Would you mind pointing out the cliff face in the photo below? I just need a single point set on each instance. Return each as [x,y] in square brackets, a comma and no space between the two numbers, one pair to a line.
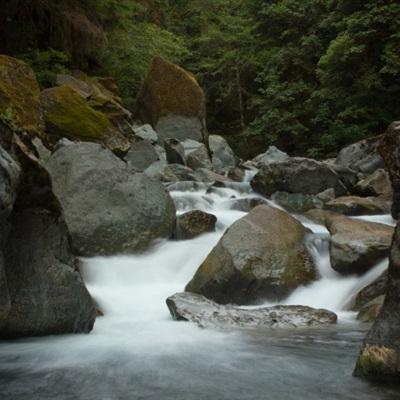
[68,26]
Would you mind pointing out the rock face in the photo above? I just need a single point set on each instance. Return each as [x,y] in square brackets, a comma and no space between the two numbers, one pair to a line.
[19,95]
[222,156]
[67,114]
[194,223]
[370,311]
[353,205]
[390,150]
[371,292]
[297,175]
[362,156]
[380,356]
[261,256]
[376,184]
[357,246]
[208,314]
[47,293]
[108,208]
[172,101]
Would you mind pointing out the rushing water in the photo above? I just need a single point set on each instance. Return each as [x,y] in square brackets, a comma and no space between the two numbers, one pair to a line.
[137,352]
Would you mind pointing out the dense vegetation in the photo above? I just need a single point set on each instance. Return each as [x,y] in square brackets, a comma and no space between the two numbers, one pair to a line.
[309,75]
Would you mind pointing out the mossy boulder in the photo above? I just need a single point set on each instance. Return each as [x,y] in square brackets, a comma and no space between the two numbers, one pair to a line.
[67,114]
[19,96]
[260,257]
[370,311]
[172,101]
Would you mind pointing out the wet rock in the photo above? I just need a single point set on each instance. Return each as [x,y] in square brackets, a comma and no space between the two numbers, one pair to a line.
[370,311]
[357,246]
[141,155]
[247,204]
[297,175]
[208,176]
[377,288]
[236,174]
[377,184]
[189,152]
[389,148]
[109,209]
[146,132]
[361,157]
[261,256]
[222,156]
[173,102]
[208,314]
[354,205]
[272,155]
[169,172]
[193,224]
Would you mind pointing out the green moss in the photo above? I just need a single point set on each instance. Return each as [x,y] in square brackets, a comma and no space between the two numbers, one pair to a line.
[368,365]
[68,115]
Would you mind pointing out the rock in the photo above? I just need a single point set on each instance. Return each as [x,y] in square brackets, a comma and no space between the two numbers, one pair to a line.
[146,132]
[172,101]
[353,205]
[108,208]
[236,174]
[68,115]
[376,185]
[247,204]
[205,175]
[370,312]
[361,157]
[389,148]
[357,246]
[193,224]
[83,88]
[261,256]
[169,173]
[208,314]
[19,96]
[271,156]
[47,291]
[372,291]
[141,155]
[297,175]
[222,156]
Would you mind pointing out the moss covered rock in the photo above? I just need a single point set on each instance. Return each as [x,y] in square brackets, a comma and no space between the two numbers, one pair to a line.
[67,114]
[260,257]
[19,96]
[173,102]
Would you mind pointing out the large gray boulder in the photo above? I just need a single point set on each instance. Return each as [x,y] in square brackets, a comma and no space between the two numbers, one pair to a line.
[108,208]
[141,155]
[357,246]
[208,314]
[362,156]
[261,256]
[297,175]
[354,205]
[377,184]
[222,156]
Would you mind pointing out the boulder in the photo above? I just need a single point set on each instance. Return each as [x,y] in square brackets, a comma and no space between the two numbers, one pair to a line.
[141,155]
[169,173]
[193,224]
[208,176]
[67,114]
[271,156]
[354,205]
[357,246]
[19,96]
[297,175]
[262,256]
[109,209]
[362,156]
[389,148]
[146,132]
[208,314]
[247,204]
[236,174]
[376,185]
[173,102]
[370,311]
[222,156]
[377,288]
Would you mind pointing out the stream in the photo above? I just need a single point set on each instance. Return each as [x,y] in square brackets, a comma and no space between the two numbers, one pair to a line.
[136,351]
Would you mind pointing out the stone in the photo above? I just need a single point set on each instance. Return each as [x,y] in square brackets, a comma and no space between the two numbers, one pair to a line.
[169,173]
[297,175]
[236,174]
[222,156]
[357,246]
[194,223]
[208,176]
[172,101]
[370,311]
[361,156]
[146,132]
[376,185]
[247,204]
[389,148]
[109,209]
[300,203]
[208,314]
[141,155]
[377,288]
[262,256]
[19,97]
[271,156]
[354,205]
